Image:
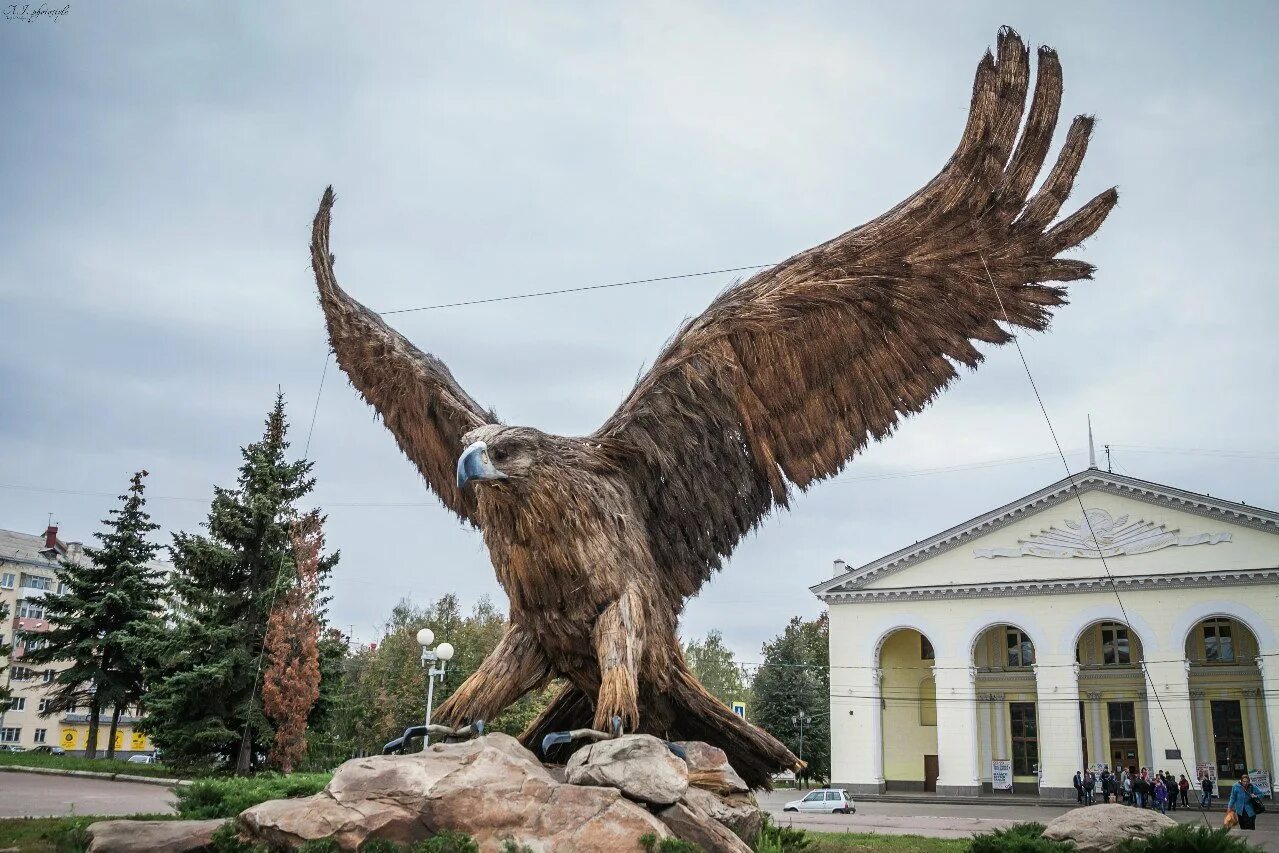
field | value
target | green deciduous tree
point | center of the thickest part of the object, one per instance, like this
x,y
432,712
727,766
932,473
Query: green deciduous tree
x,y
205,703
794,679
716,667
108,602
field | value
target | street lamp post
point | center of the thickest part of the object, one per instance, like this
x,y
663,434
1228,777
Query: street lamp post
x,y
435,661
801,718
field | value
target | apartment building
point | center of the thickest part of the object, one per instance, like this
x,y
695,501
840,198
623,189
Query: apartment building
x,y
27,573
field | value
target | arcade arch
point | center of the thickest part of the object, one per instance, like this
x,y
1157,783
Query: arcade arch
x,y
908,694
1226,696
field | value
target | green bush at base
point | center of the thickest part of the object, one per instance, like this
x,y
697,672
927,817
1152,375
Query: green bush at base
x,y
1018,838
208,798
1189,838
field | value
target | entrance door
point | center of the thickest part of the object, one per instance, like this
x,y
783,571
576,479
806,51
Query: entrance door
x,y
1123,753
930,773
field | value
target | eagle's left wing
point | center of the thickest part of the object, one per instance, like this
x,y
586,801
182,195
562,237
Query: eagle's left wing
x,y
785,377
425,408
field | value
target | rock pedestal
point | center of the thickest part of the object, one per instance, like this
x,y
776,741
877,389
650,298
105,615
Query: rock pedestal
x,y
495,791
640,766
1100,829
491,788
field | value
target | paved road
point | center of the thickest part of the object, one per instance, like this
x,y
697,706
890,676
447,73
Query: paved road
x,y
961,821
40,795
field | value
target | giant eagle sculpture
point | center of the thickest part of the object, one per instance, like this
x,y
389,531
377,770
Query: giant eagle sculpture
x,y
598,540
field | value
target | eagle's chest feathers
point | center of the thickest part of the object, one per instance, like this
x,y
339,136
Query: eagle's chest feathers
x,y
564,549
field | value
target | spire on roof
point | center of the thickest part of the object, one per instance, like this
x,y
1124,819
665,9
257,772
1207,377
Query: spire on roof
x,y
1092,450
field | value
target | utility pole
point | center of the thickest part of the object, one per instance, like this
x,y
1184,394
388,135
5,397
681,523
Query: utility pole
x,y
1108,468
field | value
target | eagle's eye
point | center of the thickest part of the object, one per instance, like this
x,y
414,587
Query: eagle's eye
x,y
500,455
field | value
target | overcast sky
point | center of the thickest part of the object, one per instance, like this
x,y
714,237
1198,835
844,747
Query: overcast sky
x,y
160,165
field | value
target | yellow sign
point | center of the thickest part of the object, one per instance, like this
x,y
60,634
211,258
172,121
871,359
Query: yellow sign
x,y
69,739
138,743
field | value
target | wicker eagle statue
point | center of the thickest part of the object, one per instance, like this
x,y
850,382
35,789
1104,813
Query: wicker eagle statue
x,y
598,540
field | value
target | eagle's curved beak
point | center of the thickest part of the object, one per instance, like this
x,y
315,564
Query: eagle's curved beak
x,y
474,464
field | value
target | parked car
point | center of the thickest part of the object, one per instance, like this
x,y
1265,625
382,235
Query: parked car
x,y
832,800
49,749
141,759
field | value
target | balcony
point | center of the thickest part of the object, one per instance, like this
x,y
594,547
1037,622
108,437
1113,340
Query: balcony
x,y
26,623
28,593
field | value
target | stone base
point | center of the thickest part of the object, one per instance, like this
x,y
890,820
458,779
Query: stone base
x,y
959,790
865,789
1059,794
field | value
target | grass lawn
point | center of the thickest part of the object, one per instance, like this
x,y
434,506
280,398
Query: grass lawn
x,y
846,842
68,762
52,834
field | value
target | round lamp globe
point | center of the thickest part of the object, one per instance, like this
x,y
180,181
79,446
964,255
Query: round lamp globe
x,y
425,637
444,651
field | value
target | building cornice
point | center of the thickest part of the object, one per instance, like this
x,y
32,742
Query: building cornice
x,y
1063,490
1060,586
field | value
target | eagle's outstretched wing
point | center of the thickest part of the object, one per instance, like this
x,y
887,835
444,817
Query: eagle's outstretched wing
x,y
416,395
786,376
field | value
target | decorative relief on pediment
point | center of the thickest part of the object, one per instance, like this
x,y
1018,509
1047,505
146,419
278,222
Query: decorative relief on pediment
x,y
1097,535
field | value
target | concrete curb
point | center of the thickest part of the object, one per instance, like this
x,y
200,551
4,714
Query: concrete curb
x,y
93,774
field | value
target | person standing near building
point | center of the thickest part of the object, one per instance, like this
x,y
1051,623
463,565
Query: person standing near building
x,y
1184,787
1161,795
1089,782
1078,782
1244,802
1125,785
1205,792
1171,784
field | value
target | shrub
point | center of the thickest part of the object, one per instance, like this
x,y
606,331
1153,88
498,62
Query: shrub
x,y
380,845
73,836
651,844
226,839
510,845
320,845
228,796
1018,838
447,841
779,839
1188,838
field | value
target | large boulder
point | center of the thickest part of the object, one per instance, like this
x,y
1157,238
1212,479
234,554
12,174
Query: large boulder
x,y
1100,829
153,836
695,827
490,788
738,812
640,766
708,768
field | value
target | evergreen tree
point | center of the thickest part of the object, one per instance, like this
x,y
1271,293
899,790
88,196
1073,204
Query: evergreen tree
x,y
716,668
107,603
5,650
794,680
205,704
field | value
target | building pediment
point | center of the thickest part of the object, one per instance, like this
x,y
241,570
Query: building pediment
x,y
1096,533
1048,535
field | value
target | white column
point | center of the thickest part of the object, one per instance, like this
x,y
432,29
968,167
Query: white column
x,y
1268,663
956,680
1256,751
1001,746
1060,750
1170,728
857,732
1096,743
984,712
1199,710
1147,706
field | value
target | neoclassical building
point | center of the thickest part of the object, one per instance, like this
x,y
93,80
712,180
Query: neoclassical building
x,y
1006,638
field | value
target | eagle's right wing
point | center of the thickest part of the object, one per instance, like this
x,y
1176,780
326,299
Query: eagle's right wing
x,y
416,395
788,375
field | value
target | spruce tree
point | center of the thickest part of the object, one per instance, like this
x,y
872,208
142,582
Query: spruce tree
x,y
204,703
106,603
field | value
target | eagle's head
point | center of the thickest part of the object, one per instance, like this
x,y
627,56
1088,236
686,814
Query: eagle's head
x,y
500,454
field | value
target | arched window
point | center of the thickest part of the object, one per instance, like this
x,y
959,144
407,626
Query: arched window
x,y
1021,652
1219,641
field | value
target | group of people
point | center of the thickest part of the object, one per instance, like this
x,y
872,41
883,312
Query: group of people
x,y
1145,790
1162,790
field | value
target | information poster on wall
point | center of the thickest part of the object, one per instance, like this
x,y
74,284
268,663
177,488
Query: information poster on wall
x,y
1001,774
1261,782
1203,769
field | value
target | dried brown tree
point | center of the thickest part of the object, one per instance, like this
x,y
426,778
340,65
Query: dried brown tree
x,y
599,540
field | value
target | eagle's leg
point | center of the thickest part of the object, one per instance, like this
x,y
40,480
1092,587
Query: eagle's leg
x,y
619,650
516,666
